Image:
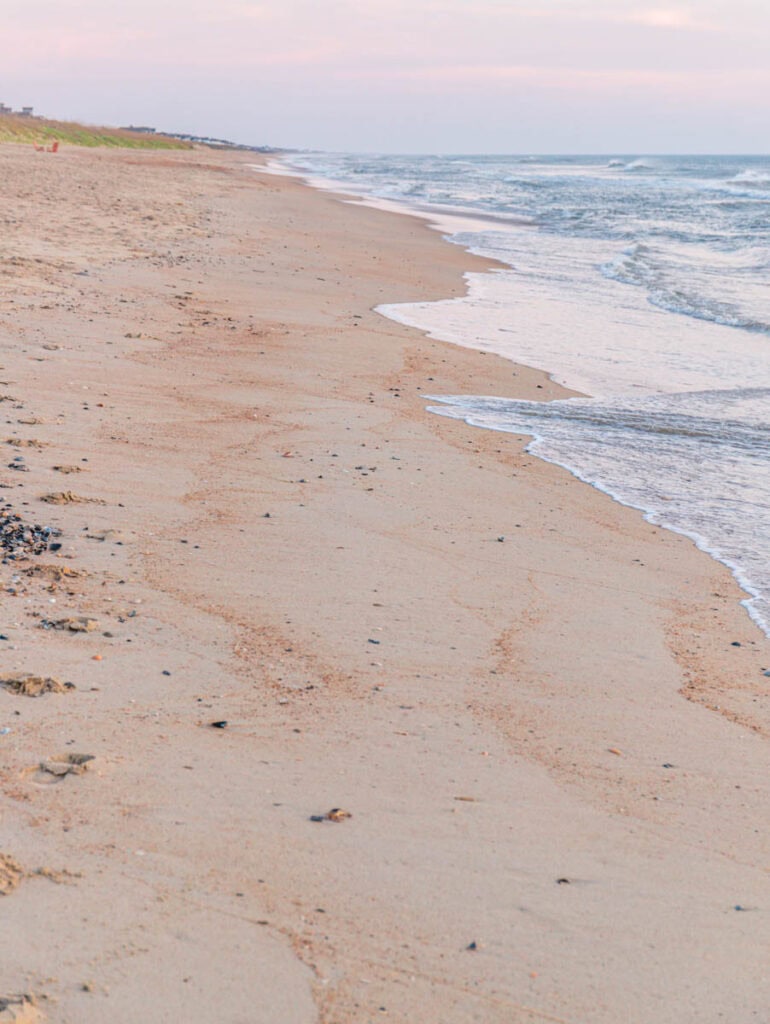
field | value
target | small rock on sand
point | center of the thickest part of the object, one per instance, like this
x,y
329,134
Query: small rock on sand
x,y
335,814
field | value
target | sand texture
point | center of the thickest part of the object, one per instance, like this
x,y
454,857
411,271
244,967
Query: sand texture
x,y
486,747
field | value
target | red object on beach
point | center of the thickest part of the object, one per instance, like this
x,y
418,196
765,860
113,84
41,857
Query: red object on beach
x,y
55,147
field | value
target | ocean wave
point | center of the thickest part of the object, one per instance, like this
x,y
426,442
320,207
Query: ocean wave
x,y
642,266
532,184
639,165
675,300
757,178
636,265
750,439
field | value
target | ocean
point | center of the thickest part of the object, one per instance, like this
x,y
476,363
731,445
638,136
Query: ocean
x,y
640,282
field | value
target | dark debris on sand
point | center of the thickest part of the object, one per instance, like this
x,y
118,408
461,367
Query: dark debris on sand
x,y
19,540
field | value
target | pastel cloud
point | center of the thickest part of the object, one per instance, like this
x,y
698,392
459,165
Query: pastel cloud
x,y
671,17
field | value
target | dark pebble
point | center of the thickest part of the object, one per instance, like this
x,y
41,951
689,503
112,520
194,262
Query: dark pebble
x,y
735,643
219,725
166,672
373,641
317,817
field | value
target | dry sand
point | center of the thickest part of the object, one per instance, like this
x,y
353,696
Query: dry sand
x,y
554,758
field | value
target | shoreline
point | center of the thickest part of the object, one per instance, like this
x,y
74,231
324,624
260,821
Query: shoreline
x,y
272,532
701,542
432,221
449,222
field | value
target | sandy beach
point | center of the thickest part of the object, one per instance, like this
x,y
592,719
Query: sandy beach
x,y
543,722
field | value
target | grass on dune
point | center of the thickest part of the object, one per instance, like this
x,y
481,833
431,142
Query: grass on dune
x,y
43,132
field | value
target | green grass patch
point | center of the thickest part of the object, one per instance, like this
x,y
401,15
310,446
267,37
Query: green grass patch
x,y
37,131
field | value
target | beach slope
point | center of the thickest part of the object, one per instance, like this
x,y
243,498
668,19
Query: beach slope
x,y
283,588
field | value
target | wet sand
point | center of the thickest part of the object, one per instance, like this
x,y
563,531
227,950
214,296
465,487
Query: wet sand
x,y
528,700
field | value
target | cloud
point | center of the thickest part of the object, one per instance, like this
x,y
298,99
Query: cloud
x,y
460,78
669,17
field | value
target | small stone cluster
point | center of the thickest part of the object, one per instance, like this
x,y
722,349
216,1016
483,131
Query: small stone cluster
x,y
20,540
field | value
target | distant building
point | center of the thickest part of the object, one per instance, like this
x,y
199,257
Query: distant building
x,y
139,128
24,112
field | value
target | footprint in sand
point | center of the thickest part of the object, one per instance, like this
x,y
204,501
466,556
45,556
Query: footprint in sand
x,y
11,874
77,624
116,536
33,686
68,498
56,769
18,442
55,573
21,1009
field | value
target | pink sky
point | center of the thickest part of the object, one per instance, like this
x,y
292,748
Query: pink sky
x,y
405,75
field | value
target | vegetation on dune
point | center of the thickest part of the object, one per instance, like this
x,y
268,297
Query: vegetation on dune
x,y
41,132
